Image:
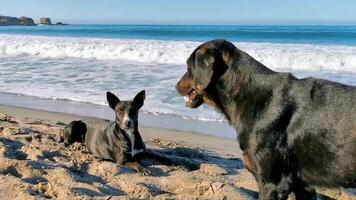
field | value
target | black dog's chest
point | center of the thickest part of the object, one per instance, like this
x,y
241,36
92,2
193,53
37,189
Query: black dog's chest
x,y
135,145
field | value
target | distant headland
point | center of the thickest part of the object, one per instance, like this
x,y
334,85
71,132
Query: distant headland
x,y
26,21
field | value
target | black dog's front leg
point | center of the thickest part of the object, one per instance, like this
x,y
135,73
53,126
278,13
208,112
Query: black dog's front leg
x,y
121,159
171,160
272,191
274,174
158,157
277,183
304,192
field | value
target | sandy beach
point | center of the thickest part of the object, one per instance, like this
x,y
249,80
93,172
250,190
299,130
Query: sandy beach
x,y
204,79
35,165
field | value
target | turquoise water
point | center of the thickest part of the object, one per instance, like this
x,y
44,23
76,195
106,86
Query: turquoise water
x,y
342,35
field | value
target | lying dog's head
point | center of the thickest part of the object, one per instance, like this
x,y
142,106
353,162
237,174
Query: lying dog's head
x,y
126,111
206,65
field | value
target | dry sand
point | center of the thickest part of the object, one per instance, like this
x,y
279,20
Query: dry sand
x,y
35,165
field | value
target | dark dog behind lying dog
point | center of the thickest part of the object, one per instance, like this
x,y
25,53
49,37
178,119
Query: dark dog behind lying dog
x,y
294,133
118,140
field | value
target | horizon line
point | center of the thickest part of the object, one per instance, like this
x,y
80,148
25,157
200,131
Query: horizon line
x,y
212,24
156,23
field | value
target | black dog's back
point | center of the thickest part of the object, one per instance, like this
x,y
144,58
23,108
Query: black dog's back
x,y
322,131
98,135
102,138
315,117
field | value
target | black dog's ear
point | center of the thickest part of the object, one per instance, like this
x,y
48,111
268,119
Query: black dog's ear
x,y
112,100
140,98
207,65
203,67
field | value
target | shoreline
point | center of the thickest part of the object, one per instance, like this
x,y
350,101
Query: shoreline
x,y
213,143
78,109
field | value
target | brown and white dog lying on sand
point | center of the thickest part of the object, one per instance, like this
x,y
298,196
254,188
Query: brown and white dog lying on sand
x,y
294,133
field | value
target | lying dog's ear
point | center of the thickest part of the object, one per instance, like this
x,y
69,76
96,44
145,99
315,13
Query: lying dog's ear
x,y
140,98
112,100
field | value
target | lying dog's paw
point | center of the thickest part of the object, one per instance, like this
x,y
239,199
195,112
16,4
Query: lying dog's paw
x,y
145,172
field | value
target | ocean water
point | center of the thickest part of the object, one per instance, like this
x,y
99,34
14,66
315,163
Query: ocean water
x,y
82,62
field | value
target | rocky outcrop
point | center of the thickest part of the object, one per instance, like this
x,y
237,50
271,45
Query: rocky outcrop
x,y
61,24
6,20
14,21
45,21
26,21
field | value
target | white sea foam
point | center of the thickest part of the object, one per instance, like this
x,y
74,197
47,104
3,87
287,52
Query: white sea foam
x,y
82,69
284,57
102,49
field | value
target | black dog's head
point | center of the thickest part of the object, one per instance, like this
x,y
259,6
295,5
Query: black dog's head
x,y
206,65
126,111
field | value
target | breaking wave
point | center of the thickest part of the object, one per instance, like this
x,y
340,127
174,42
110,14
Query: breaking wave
x,y
282,57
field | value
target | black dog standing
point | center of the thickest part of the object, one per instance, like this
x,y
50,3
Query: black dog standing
x,y
118,140
294,133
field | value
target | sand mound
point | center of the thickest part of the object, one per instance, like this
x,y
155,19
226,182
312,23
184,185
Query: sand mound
x,y
35,165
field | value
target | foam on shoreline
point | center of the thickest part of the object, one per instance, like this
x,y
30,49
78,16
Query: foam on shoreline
x,y
284,57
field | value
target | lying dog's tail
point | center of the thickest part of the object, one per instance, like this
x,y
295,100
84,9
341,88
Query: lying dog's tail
x,y
171,160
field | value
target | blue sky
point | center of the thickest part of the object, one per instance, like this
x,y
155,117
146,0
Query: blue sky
x,y
285,12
